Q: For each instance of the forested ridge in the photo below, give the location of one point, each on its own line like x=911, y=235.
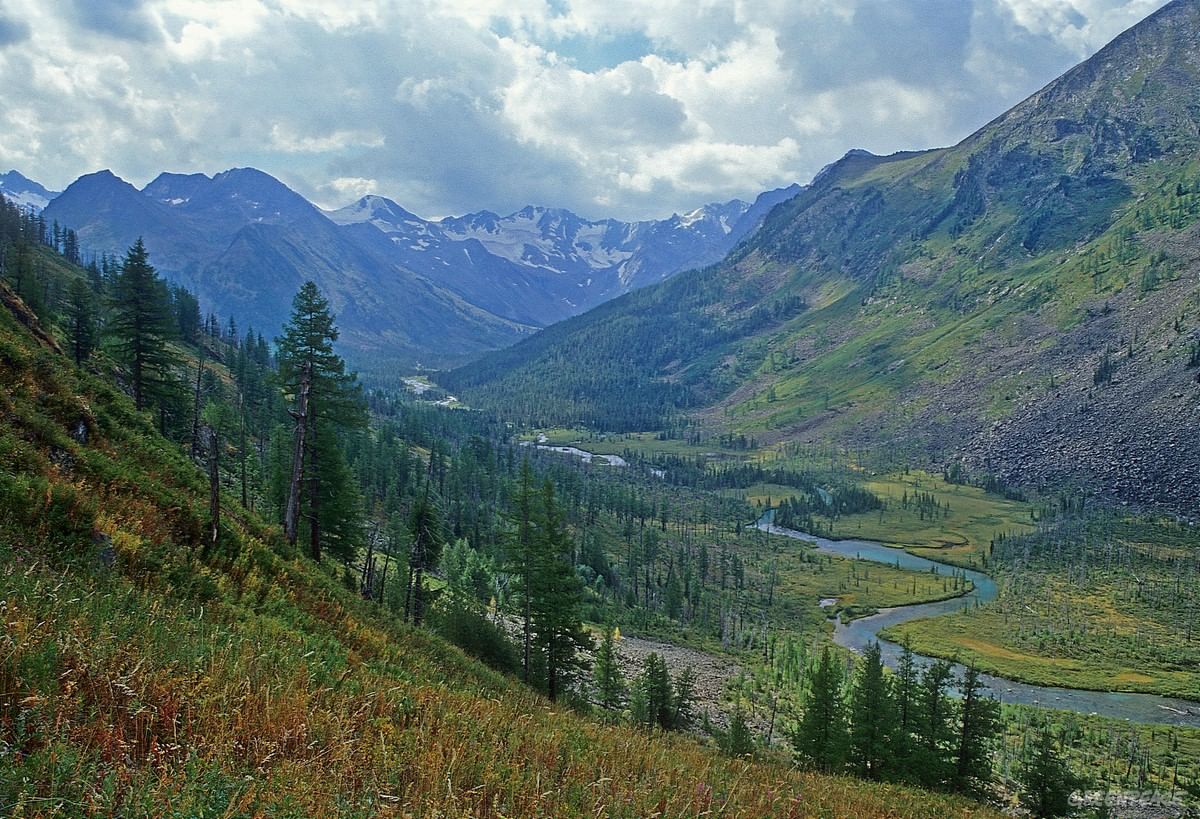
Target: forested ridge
x=152, y=530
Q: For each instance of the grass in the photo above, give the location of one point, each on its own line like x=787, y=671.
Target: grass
x=1111, y=754
x=960, y=533
x=1050, y=631
x=141, y=676
x=1103, y=601
x=640, y=443
x=860, y=587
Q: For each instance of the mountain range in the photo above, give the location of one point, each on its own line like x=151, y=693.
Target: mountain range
x=405, y=289
x=1023, y=303
x=16, y=187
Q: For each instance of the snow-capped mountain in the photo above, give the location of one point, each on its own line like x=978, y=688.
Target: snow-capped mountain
x=24, y=191
x=403, y=287
x=539, y=265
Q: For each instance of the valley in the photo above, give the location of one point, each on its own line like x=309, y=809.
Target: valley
x=875, y=496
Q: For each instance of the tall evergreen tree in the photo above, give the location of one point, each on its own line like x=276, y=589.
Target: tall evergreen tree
x=610, y=685
x=979, y=723
x=522, y=559
x=80, y=324
x=905, y=683
x=652, y=702
x=821, y=739
x=873, y=720
x=738, y=740
x=933, y=755
x=306, y=358
x=141, y=327
x=427, y=536
x=556, y=598
x=1046, y=781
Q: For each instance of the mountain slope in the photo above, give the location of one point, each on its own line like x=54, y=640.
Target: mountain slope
x=1024, y=299
x=144, y=675
x=24, y=191
x=244, y=242
x=405, y=289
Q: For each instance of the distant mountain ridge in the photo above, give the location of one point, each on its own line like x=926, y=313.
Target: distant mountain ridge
x=1023, y=302
x=24, y=191
x=541, y=265
x=405, y=288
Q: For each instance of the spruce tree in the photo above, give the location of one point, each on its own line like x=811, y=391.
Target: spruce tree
x=426, y=539
x=141, y=327
x=610, y=685
x=873, y=722
x=933, y=755
x=820, y=739
x=683, y=699
x=652, y=704
x=738, y=739
x=979, y=723
x=557, y=598
x=80, y=320
x=904, y=684
x=522, y=559
x=307, y=360
x=1046, y=781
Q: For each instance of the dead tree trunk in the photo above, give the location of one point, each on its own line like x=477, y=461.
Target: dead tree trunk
x=291, y=517
x=314, y=497
x=214, y=488
x=196, y=408
x=242, y=445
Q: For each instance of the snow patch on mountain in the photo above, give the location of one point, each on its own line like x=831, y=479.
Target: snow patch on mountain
x=24, y=192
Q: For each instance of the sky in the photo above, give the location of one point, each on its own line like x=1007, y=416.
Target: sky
x=625, y=108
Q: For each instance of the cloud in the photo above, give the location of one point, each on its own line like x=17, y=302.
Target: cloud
x=620, y=107
x=290, y=143
x=350, y=187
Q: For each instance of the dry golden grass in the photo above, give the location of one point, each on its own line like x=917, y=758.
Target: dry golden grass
x=251, y=683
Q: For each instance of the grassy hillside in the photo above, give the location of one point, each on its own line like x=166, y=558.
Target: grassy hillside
x=142, y=674
x=1025, y=294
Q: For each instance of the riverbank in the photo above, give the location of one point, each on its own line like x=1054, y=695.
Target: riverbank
x=858, y=634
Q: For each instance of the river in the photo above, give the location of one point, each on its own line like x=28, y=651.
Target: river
x=857, y=634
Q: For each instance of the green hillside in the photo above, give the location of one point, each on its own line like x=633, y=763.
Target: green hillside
x=1025, y=293
x=145, y=671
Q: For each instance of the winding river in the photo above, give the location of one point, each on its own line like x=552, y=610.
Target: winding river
x=857, y=634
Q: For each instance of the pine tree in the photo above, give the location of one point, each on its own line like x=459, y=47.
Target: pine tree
x=979, y=723
x=307, y=360
x=821, y=739
x=738, y=740
x=1046, y=781
x=873, y=718
x=427, y=536
x=80, y=325
x=904, y=686
x=683, y=699
x=904, y=694
x=652, y=704
x=610, y=685
x=933, y=755
x=556, y=599
x=141, y=327
x=522, y=560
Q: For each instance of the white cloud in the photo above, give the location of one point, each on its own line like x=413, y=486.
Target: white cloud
x=1080, y=25
x=350, y=187
x=285, y=140
x=610, y=107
